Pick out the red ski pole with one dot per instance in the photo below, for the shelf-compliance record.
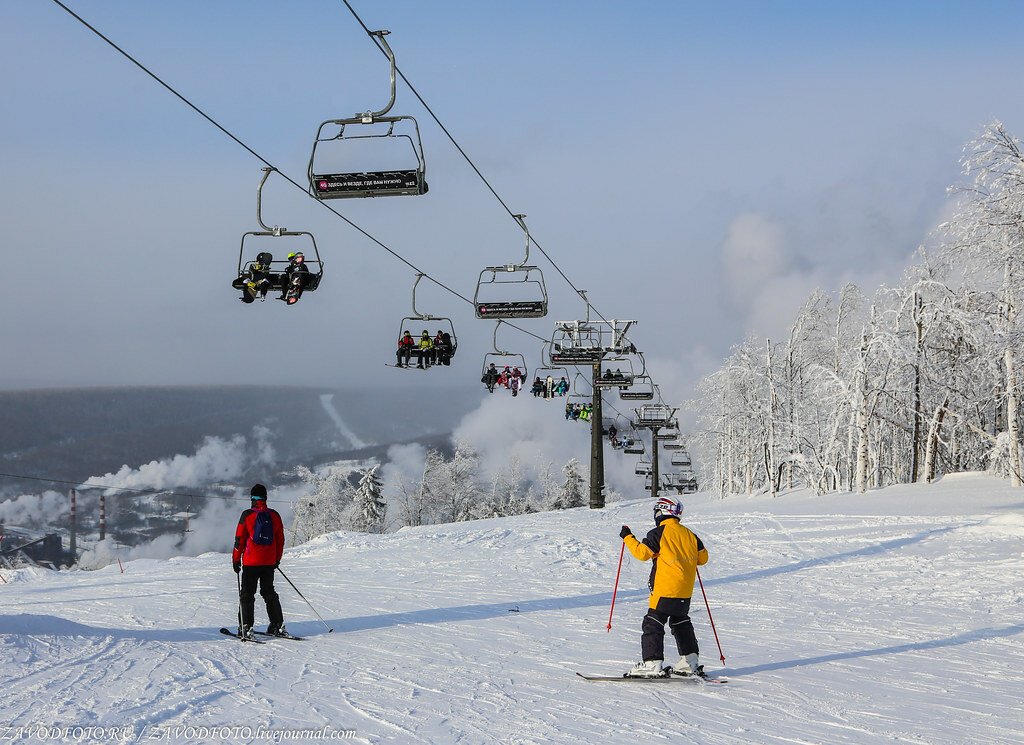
(710, 618)
(616, 588)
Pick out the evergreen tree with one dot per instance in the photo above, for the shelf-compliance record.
(369, 510)
(572, 493)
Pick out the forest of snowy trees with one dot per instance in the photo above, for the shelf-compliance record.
(448, 490)
(896, 386)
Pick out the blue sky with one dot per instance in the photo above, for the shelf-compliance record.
(645, 141)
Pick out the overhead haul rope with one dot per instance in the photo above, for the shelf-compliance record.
(237, 140)
(472, 165)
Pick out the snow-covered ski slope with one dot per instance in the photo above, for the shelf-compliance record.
(892, 617)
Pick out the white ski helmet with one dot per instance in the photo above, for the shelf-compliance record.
(667, 507)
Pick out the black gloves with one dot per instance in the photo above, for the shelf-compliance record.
(277, 565)
(237, 566)
(625, 531)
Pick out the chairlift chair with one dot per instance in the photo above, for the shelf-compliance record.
(676, 444)
(576, 343)
(418, 319)
(682, 459)
(617, 378)
(637, 447)
(670, 431)
(502, 359)
(579, 392)
(654, 415)
(643, 468)
(261, 273)
(642, 389)
(326, 182)
(513, 290)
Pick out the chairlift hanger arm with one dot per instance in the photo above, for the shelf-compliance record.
(370, 116)
(259, 204)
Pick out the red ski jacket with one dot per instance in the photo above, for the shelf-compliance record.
(253, 554)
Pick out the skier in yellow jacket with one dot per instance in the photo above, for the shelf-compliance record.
(676, 553)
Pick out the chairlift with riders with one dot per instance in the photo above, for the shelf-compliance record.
(262, 273)
(439, 356)
(502, 359)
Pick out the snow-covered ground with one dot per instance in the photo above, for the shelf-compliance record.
(892, 617)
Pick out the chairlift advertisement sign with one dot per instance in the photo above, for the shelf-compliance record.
(387, 181)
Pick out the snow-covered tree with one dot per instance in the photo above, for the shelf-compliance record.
(572, 492)
(986, 237)
(451, 490)
(369, 510)
(510, 494)
(323, 510)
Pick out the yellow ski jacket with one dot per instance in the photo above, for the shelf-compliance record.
(676, 553)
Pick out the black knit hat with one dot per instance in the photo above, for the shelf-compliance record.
(258, 491)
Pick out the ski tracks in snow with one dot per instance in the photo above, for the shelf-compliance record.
(838, 629)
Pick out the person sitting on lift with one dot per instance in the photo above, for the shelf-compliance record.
(426, 350)
(256, 278)
(443, 348)
(490, 378)
(295, 277)
(405, 345)
(538, 387)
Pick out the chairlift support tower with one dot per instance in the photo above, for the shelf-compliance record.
(654, 417)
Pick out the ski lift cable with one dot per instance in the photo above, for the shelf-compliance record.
(472, 164)
(462, 151)
(303, 188)
(267, 163)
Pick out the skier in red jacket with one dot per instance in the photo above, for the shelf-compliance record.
(259, 544)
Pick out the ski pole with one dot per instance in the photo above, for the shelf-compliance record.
(329, 629)
(710, 617)
(615, 590)
(238, 577)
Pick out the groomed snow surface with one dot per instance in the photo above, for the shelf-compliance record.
(896, 616)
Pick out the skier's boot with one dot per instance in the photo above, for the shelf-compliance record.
(647, 669)
(247, 635)
(688, 665)
(277, 629)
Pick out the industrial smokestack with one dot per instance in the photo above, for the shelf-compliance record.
(103, 516)
(74, 526)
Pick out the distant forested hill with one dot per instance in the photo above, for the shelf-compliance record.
(77, 433)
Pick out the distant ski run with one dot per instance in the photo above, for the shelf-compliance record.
(327, 401)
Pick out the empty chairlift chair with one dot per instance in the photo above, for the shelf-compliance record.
(512, 290)
(642, 389)
(330, 171)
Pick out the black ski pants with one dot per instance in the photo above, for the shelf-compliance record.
(676, 613)
(264, 576)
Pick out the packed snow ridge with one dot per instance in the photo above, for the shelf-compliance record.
(894, 616)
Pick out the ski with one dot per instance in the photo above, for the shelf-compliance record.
(282, 636)
(660, 679)
(229, 632)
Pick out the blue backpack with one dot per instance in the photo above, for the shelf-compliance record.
(263, 530)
